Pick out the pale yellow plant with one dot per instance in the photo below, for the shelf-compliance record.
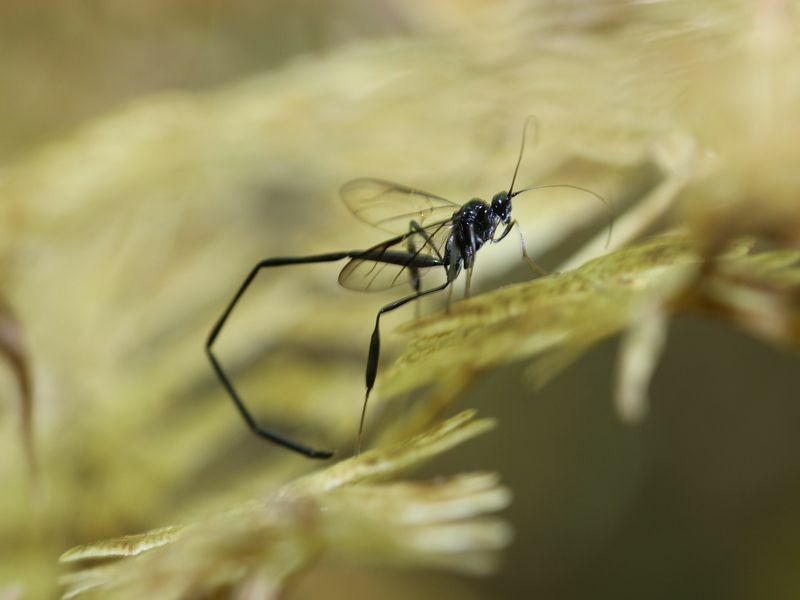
(121, 241)
(351, 510)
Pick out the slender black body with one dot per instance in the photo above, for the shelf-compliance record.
(473, 225)
(449, 243)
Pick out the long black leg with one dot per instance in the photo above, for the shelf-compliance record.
(416, 281)
(471, 261)
(226, 382)
(414, 276)
(375, 349)
(417, 228)
(449, 299)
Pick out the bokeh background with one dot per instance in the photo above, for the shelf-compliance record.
(150, 153)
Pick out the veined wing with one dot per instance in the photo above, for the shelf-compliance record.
(392, 206)
(399, 260)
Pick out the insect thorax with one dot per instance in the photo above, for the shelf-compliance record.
(478, 216)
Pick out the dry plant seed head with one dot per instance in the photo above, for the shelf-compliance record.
(126, 216)
(350, 511)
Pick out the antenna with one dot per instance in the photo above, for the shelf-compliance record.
(522, 148)
(609, 206)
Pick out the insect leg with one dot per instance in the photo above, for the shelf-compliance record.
(413, 273)
(416, 282)
(506, 231)
(470, 262)
(417, 228)
(375, 350)
(452, 264)
(449, 299)
(223, 377)
(531, 263)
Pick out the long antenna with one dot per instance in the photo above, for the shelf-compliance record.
(609, 206)
(522, 148)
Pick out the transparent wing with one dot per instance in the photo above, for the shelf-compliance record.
(399, 260)
(392, 206)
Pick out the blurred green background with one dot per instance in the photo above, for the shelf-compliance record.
(126, 228)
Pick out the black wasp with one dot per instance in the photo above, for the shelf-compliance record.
(431, 234)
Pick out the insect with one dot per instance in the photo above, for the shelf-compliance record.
(431, 234)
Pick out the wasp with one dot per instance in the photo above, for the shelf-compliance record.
(430, 233)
